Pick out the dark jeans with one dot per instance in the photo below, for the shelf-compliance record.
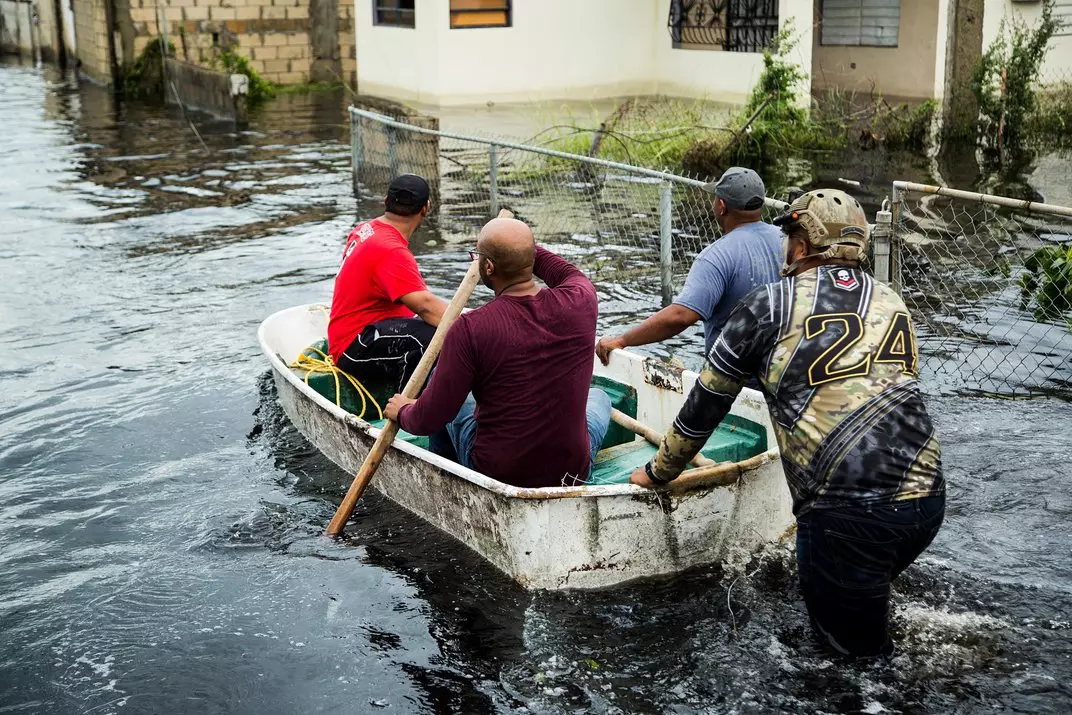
(846, 559)
(387, 352)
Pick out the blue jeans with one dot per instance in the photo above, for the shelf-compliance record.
(456, 440)
(846, 559)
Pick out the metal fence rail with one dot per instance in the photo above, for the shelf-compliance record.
(992, 310)
(975, 270)
(606, 217)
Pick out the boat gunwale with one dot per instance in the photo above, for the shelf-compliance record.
(675, 490)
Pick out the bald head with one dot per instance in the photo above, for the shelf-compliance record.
(509, 245)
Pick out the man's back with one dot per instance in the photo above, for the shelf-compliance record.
(840, 366)
(836, 356)
(377, 269)
(747, 257)
(529, 361)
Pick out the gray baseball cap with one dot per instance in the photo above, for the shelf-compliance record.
(740, 188)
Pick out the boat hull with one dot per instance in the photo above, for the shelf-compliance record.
(579, 537)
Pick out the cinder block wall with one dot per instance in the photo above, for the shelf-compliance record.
(273, 34)
(91, 33)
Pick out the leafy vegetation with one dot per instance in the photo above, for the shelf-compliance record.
(260, 89)
(146, 77)
(773, 124)
(1047, 286)
(1005, 83)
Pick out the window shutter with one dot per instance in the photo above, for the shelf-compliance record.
(869, 23)
(1062, 10)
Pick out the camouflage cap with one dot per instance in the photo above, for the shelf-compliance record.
(833, 221)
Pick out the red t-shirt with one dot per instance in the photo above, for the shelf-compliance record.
(528, 362)
(377, 269)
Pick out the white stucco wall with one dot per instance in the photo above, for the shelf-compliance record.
(941, 54)
(1058, 63)
(556, 49)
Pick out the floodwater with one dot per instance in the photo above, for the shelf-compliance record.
(160, 519)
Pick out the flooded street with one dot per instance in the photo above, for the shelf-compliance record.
(161, 520)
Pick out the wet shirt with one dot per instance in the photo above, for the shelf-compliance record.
(745, 258)
(377, 269)
(836, 356)
(528, 362)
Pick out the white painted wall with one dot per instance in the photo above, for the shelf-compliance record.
(556, 49)
(583, 49)
(1058, 64)
(941, 53)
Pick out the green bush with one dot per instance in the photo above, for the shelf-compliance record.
(145, 79)
(1047, 286)
(260, 89)
(1005, 79)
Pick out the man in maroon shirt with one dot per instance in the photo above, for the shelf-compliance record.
(513, 383)
(373, 332)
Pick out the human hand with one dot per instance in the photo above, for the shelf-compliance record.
(395, 405)
(605, 345)
(640, 478)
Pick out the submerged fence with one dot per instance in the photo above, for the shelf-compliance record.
(989, 282)
(982, 275)
(608, 218)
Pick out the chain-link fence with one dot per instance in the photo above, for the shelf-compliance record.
(988, 279)
(605, 217)
(989, 282)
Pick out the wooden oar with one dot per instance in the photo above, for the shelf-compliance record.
(389, 430)
(641, 429)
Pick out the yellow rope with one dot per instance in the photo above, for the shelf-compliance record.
(324, 364)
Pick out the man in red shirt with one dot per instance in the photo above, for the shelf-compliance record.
(513, 383)
(373, 333)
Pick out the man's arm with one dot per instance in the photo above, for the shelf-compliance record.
(696, 301)
(737, 353)
(450, 385)
(428, 307)
(667, 323)
(555, 270)
(707, 404)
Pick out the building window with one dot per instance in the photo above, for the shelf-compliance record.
(399, 13)
(728, 25)
(861, 23)
(480, 13)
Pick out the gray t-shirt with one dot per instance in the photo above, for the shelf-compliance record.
(727, 270)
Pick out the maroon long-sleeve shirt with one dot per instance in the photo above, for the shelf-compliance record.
(528, 362)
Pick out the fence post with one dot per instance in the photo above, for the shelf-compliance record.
(493, 177)
(896, 208)
(392, 150)
(357, 149)
(666, 208)
(880, 238)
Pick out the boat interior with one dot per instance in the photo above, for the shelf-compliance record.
(735, 440)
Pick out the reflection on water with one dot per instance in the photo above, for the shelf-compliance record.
(160, 519)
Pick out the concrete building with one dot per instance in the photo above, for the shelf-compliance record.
(449, 52)
(285, 41)
(896, 48)
(471, 51)
(914, 49)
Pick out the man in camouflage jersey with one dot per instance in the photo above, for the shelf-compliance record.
(835, 353)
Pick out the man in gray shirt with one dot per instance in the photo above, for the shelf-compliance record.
(749, 254)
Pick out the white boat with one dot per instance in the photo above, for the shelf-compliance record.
(558, 537)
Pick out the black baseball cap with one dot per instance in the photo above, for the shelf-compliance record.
(409, 191)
